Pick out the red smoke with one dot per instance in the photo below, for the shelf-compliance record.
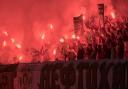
(30, 24)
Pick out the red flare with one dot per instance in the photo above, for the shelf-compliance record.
(18, 46)
(83, 17)
(54, 52)
(62, 40)
(43, 36)
(20, 58)
(51, 26)
(73, 36)
(12, 40)
(4, 43)
(113, 15)
(78, 38)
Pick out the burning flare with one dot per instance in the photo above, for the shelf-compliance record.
(113, 15)
(61, 40)
(4, 43)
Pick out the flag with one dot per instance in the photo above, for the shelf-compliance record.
(78, 24)
(101, 9)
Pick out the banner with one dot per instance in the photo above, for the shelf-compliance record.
(28, 76)
(78, 24)
(101, 9)
(7, 76)
(104, 74)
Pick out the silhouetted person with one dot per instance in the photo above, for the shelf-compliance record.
(120, 49)
(80, 53)
(94, 51)
(99, 52)
(71, 55)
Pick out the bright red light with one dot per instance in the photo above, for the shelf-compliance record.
(20, 58)
(51, 26)
(4, 43)
(78, 38)
(61, 40)
(73, 36)
(83, 17)
(12, 40)
(54, 52)
(42, 36)
(102, 35)
(113, 15)
(18, 46)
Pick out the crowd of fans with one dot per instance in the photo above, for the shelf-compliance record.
(113, 38)
(107, 42)
(94, 41)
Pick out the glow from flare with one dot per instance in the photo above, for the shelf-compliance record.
(42, 36)
(78, 38)
(61, 40)
(73, 36)
(4, 43)
(84, 17)
(113, 15)
(20, 58)
(18, 46)
(12, 40)
(5, 33)
(51, 26)
(54, 52)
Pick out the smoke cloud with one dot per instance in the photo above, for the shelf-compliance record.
(27, 20)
